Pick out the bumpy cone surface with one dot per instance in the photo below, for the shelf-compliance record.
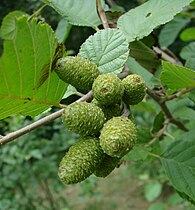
(83, 118)
(111, 111)
(80, 161)
(107, 165)
(135, 89)
(118, 136)
(108, 89)
(77, 71)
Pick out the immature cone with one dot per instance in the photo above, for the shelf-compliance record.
(108, 89)
(80, 161)
(77, 71)
(107, 165)
(135, 89)
(118, 136)
(111, 111)
(83, 118)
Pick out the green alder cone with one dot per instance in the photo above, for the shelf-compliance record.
(77, 71)
(80, 161)
(108, 89)
(135, 89)
(111, 111)
(118, 136)
(107, 165)
(83, 118)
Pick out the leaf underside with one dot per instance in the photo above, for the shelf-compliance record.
(142, 20)
(108, 49)
(82, 12)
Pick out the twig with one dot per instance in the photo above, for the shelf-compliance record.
(154, 155)
(111, 3)
(126, 110)
(124, 74)
(178, 94)
(96, 28)
(169, 52)
(102, 14)
(165, 109)
(11, 136)
(166, 57)
(160, 133)
(79, 94)
(49, 194)
(36, 13)
(169, 135)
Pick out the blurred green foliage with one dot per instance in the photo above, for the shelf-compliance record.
(29, 168)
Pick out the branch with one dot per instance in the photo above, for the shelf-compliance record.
(102, 14)
(165, 109)
(126, 110)
(37, 13)
(111, 3)
(167, 57)
(49, 194)
(169, 52)
(11, 136)
(124, 74)
(160, 132)
(178, 94)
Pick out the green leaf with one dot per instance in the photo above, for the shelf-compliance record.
(142, 20)
(144, 55)
(36, 153)
(152, 190)
(108, 49)
(185, 113)
(174, 199)
(188, 51)
(190, 63)
(178, 103)
(62, 31)
(82, 13)
(170, 31)
(188, 34)
(27, 83)
(186, 197)
(155, 206)
(187, 135)
(136, 68)
(158, 122)
(177, 77)
(192, 95)
(143, 135)
(139, 153)
(179, 164)
(5, 204)
(71, 90)
(192, 4)
(8, 27)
